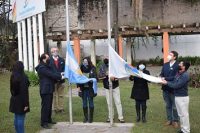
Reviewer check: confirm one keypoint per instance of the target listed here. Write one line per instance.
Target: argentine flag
(73, 72)
(119, 68)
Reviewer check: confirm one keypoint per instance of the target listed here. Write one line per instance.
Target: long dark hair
(17, 72)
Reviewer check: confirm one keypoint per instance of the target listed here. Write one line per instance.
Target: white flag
(119, 68)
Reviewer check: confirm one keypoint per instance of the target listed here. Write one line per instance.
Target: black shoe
(45, 126)
(138, 113)
(180, 131)
(121, 120)
(52, 122)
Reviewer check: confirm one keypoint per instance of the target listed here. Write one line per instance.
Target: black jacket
(47, 78)
(19, 93)
(91, 73)
(103, 71)
(169, 73)
(60, 68)
(140, 90)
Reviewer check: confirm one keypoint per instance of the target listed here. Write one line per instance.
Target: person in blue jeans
(168, 72)
(19, 101)
(86, 90)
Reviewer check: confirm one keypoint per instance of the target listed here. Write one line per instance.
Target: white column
(128, 50)
(30, 48)
(19, 33)
(35, 41)
(41, 36)
(93, 52)
(24, 45)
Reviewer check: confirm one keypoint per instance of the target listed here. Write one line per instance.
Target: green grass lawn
(155, 112)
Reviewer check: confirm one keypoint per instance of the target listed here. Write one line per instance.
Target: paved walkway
(95, 127)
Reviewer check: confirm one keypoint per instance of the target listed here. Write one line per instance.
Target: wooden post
(120, 39)
(77, 51)
(165, 46)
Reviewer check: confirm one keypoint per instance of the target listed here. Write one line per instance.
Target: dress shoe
(45, 126)
(52, 122)
(180, 131)
(175, 124)
(168, 123)
(121, 120)
(108, 120)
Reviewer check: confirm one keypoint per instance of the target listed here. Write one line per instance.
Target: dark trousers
(86, 98)
(140, 102)
(171, 111)
(46, 108)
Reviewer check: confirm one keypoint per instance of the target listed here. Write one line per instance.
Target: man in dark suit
(169, 71)
(57, 64)
(47, 79)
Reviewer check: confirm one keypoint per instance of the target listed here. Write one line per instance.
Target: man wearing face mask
(180, 86)
(168, 72)
(47, 78)
(140, 92)
(103, 74)
(57, 64)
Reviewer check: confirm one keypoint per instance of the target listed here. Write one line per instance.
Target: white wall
(187, 45)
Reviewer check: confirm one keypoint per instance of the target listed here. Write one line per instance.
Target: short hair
(186, 64)
(42, 57)
(175, 54)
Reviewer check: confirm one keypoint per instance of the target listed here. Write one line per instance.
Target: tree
(8, 45)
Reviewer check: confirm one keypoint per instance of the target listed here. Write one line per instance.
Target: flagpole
(68, 40)
(110, 83)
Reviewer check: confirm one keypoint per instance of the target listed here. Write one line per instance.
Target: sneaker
(121, 120)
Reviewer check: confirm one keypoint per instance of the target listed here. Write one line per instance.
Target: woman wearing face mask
(140, 92)
(86, 91)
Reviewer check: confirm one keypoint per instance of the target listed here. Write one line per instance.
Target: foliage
(33, 78)
(193, 60)
(195, 76)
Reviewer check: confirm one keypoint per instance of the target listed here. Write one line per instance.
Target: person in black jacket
(86, 90)
(57, 63)
(140, 92)
(103, 74)
(47, 79)
(19, 101)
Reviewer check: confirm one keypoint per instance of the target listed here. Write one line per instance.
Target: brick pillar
(77, 51)
(120, 39)
(165, 46)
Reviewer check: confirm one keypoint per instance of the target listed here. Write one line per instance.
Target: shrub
(33, 78)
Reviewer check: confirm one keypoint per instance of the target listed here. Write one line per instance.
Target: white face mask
(169, 57)
(141, 67)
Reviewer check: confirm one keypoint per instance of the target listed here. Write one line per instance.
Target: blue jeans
(171, 111)
(87, 98)
(19, 123)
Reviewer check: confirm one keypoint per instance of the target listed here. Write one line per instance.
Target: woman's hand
(26, 108)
